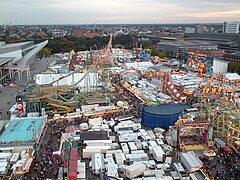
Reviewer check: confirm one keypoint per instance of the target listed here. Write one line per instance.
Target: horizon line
(115, 23)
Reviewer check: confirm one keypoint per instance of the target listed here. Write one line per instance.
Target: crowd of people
(224, 166)
(47, 159)
(47, 162)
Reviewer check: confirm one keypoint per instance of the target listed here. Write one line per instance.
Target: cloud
(116, 11)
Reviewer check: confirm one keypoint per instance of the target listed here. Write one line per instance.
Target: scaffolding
(222, 114)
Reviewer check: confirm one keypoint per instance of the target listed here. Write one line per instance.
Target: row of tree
(65, 44)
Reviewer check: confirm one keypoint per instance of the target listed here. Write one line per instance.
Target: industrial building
(175, 48)
(231, 27)
(228, 41)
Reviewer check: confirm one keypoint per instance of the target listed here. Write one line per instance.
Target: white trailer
(149, 173)
(132, 146)
(138, 144)
(113, 151)
(87, 153)
(97, 142)
(138, 152)
(4, 168)
(125, 148)
(159, 136)
(101, 127)
(144, 135)
(148, 163)
(159, 142)
(144, 145)
(135, 170)
(156, 151)
(14, 158)
(127, 137)
(111, 167)
(137, 157)
(81, 170)
(151, 134)
(125, 132)
(6, 156)
(127, 125)
(168, 160)
(120, 158)
(97, 163)
(102, 148)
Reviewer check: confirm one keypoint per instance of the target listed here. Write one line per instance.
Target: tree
(162, 54)
(45, 52)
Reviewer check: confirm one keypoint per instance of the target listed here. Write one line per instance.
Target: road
(8, 94)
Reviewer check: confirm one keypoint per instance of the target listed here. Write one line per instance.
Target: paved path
(8, 94)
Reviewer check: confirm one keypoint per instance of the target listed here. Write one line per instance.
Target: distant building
(79, 32)
(231, 27)
(223, 40)
(208, 53)
(16, 57)
(189, 30)
(232, 57)
(83, 33)
(220, 66)
(198, 28)
(175, 48)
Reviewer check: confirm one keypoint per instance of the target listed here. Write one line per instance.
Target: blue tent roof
(21, 129)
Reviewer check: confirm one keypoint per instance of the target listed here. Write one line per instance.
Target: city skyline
(26, 12)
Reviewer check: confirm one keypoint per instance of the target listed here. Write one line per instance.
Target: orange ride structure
(201, 67)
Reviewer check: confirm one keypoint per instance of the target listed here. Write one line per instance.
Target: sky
(22, 12)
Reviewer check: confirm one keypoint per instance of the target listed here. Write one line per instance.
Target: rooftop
(21, 129)
(166, 109)
(4, 60)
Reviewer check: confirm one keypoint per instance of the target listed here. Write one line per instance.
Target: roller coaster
(63, 98)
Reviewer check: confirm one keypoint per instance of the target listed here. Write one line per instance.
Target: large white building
(220, 66)
(231, 27)
(16, 57)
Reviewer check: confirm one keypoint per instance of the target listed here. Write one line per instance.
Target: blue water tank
(163, 115)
